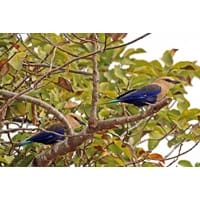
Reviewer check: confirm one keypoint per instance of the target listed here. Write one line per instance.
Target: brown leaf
(173, 51)
(106, 136)
(116, 36)
(187, 79)
(188, 67)
(15, 45)
(64, 83)
(4, 67)
(70, 105)
(99, 148)
(140, 152)
(156, 156)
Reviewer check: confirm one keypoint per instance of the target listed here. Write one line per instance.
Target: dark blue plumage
(140, 97)
(150, 94)
(48, 136)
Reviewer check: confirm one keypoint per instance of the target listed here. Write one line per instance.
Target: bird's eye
(168, 80)
(171, 81)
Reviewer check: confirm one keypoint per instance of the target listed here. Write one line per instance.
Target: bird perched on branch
(54, 133)
(149, 94)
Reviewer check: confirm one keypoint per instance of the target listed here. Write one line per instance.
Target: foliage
(26, 58)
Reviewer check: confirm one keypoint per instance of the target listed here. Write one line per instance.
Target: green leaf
(157, 66)
(183, 103)
(197, 164)
(20, 108)
(191, 114)
(174, 141)
(167, 58)
(138, 81)
(3, 160)
(108, 89)
(186, 65)
(154, 141)
(132, 51)
(149, 164)
(8, 159)
(120, 74)
(115, 148)
(104, 113)
(152, 144)
(26, 161)
(185, 163)
(17, 60)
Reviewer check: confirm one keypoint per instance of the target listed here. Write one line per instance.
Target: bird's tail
(25, 142)
(111, 102)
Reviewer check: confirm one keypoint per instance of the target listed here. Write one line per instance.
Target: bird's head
(74, 120)
(167, 81)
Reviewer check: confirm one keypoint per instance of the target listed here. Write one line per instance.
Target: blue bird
(149, 94)
(54, 133)
(51, 135)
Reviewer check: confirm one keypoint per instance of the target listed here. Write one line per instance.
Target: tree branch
(93, 114)
(128, 43)
(42, 104)
(70, 144)
(56, 68)
(57, 46)
(180, 154)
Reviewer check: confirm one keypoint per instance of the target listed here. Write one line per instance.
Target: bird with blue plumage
(54, 133)
(149, 94)
(51, 135)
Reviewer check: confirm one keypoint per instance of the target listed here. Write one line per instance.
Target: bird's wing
(127, 93)
(58, 128)
(145, 93)
(41, 136)
(48, 134)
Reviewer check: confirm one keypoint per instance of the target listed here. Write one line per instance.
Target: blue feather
(141, 97)
(25, 142)
(51, 135)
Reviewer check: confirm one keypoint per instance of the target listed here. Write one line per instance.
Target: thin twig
(128, 43)
(40, 103)
(180, 154)
(57, 46)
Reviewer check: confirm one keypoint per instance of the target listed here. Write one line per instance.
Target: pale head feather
(166, 81)
(74, 120)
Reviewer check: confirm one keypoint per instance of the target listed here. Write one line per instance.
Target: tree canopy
(46, 77)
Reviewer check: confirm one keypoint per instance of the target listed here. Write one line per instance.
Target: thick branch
(112, 123)
(42, 104)
(70, 144)
(93, 114)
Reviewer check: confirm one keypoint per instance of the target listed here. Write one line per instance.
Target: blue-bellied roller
(54, 133)
(149, 94)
